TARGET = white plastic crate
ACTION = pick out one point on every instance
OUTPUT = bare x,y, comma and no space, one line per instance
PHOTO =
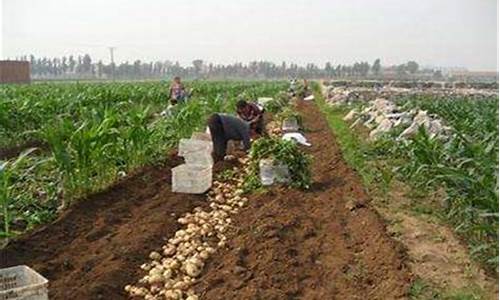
290,124
271,172
191,179
201,158
196,152
22,283
187,146
201,136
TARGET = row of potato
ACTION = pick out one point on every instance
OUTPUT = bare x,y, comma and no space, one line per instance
171,272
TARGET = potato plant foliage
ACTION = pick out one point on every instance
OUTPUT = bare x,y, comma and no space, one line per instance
287,152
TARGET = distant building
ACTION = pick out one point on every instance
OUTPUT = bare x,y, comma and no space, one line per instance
13,71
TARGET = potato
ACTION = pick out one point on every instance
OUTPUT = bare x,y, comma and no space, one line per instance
168,284
156,278
175,241
180,233
167,274
169,250
173,294
174,264
192,269
219,198
180,285
204,254
180,258
156,271
155,255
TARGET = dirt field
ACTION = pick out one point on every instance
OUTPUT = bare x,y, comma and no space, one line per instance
323,244
327,243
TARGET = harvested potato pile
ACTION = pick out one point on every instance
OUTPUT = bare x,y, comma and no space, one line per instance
173,270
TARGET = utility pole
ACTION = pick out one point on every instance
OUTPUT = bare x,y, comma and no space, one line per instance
111,54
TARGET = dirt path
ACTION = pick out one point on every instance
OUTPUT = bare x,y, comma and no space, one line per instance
327,243
95,248
436,256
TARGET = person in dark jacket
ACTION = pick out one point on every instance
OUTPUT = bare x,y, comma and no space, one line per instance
224,128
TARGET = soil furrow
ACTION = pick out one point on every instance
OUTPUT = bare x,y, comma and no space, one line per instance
326,243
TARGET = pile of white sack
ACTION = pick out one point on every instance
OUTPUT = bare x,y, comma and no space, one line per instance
340,95
382,115
346,95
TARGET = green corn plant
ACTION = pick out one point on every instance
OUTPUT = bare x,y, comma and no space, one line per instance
93,131
466,165
7,169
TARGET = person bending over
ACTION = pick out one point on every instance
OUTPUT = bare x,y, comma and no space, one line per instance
224,128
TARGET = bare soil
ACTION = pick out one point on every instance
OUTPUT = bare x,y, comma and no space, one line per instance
326,243
97,246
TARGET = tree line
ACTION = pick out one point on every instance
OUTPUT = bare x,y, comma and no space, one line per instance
84,67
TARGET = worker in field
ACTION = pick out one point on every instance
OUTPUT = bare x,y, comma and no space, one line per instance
224,128
304,92
251,113
177,91
293,87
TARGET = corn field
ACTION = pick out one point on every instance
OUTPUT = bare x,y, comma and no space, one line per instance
93,134
465,165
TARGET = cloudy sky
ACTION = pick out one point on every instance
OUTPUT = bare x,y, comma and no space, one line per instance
449,33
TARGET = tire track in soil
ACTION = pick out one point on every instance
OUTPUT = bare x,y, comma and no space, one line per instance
326,243
93,249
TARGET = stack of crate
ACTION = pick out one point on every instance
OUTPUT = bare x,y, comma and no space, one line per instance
195,175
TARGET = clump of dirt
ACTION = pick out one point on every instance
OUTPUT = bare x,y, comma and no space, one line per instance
326,243
93,249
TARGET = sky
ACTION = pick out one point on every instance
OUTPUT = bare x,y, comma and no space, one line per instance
444,33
